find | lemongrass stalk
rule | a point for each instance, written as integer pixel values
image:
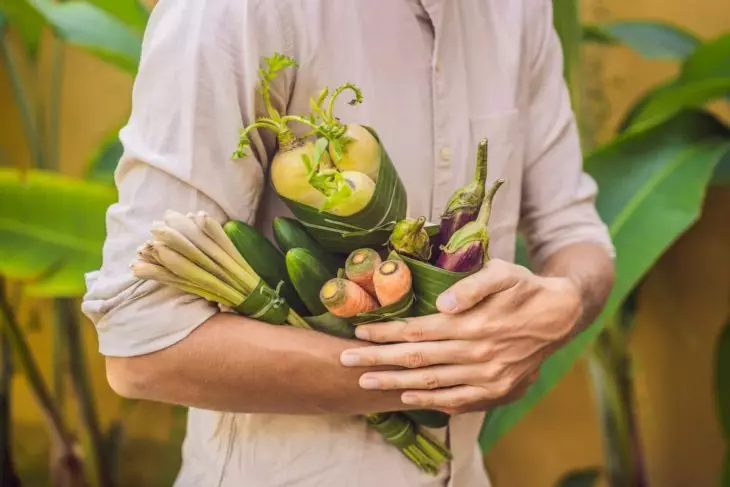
(246, 277)
(188, 271)
(146, 253)
(154, 272)
(215, 231)
(297, 321)
(177, 241)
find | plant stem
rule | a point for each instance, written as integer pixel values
(12, 330)
(8, 476)
(340, 89)
(58, 358)
(54, 116)
(24, 103)
(94, 441)
(611, 370)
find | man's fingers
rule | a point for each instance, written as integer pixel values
(414, 355)
(496, 276)
(451, 398)
(424, 378)
(424, 328)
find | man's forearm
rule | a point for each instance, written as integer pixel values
(235, 364)
(591, 269)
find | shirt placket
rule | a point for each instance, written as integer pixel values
(443, 145)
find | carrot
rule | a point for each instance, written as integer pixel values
(346, 299)
(360, 267)
(392, 281)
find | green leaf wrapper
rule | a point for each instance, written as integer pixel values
(367, 228)
(264, 304)
(429, 282)
(331, 325)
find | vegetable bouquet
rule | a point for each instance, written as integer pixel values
(348, 255)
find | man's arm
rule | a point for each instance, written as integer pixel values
(589, 267)
(194, 90)
(235, 364)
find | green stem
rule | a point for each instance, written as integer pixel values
(59, 357)
(610, 368)
(482, 162)
(356, 100)
(32, 372)
(8, 476)
(24, 104)
(94, 445)
(54, 116)
(485, 210)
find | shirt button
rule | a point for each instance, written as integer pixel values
(438, 66)
(445, 153)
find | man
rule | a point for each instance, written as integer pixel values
(438, 75)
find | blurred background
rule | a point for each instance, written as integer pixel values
(642, 398)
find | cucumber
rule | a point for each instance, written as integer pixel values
(265, 259)
(289, 233)
(308, 276)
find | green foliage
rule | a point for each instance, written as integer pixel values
(104, 161)
(652, 40)
(660, 171)
(89, 27)
(51, 230)
(580, 478)
(25, 20)
(131, 13)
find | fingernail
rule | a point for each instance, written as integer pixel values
(369, 383)
(349, 359)
(446, 301)
(362, 333)
(408, 398)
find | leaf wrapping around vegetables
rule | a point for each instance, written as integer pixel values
(367, 228)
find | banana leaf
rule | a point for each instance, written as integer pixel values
(429, 282)
(331, 325)
(264, 304)
(367, 228)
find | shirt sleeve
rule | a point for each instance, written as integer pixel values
(558, 206)
(193, 92)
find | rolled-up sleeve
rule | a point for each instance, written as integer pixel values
(188, 104)
(558, 205)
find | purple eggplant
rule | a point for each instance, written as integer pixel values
(468, 248)
(409, 237)
(464, 204)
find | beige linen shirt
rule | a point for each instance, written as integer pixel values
(437, 75)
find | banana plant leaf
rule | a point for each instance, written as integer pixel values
(104, 161)
(130, 12)
(704, 77)
(580, 478)
(652, 186)
(650, 39)
(25, 21)
(52, 230)
(89, 27)
(367, 228)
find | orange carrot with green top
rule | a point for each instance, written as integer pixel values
(392, 281)
(360, 267)
(346, 299)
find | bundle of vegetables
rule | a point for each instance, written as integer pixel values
(342, 185)
(237, 267)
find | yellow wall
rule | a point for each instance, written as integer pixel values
(683, 303)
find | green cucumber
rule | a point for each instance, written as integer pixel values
(289, 233)
(265, 259)
(308, 276)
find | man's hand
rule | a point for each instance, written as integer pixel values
(485, 347)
